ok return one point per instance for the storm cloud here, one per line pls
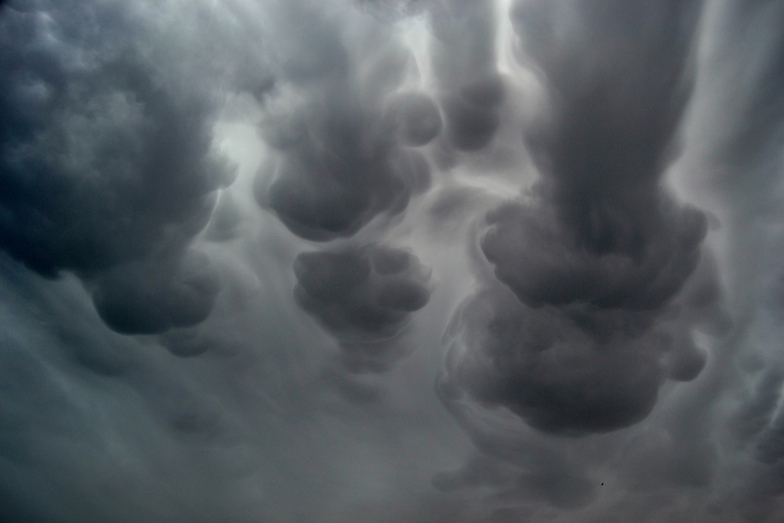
(597, 251)
(363, 296)
(476, 261)
(107, 159)
(344, 136)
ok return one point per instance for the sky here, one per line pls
(422, 261)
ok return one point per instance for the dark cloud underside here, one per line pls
(326, 261)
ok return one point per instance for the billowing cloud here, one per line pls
(106, 159)
(324, 195)
(476, 261)
(364, 297)
(415, 118)
(598, 251)
(463, 56)
(99, 158)
(344, 130)
(151, 298)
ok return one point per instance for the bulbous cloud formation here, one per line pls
(596, 254)
(344, 126)
(569, 370)
(331, 189)
(153, 296)
(272, 385)
(105, 153)
(364, 297)
(464, 61)
(346, 130)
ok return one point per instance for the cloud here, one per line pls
(562, 372)
(590, 191)
(153, 298)
(734, 129)
(598, 251)
(98, 160)
(415, 118)
(364, 297)
(343, 129)
(463, 60)
(328, 196)
(621, 265)
(472, 114)
(107, 159)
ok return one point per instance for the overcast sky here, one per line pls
(422, 261)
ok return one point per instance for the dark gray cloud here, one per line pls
(566, 371)
(100, 160)
(620, 265)
(472, 113)
(345, 131)
(464, 62)
(598, 250)
(328, 190)
(107, 167)
(148, 297)
(364, 297)
(591, 191)
(415, 118)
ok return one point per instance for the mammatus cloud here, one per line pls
(107, 164)
(364, 297)
(595, 256)
(343, 136)
(154, 298)
(386, 260)
(464, 62)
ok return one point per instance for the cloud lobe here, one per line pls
(598, 251)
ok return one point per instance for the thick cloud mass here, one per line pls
(100, 161)
(151, 298)
(336, 261)
(415, 117)
(331, 189)
(464, 62)
(562, 370)
(599, 249)
(579, 368)
(472, 115)
(106, 159)
(624, 268)
(364, 297)
(343, 156)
